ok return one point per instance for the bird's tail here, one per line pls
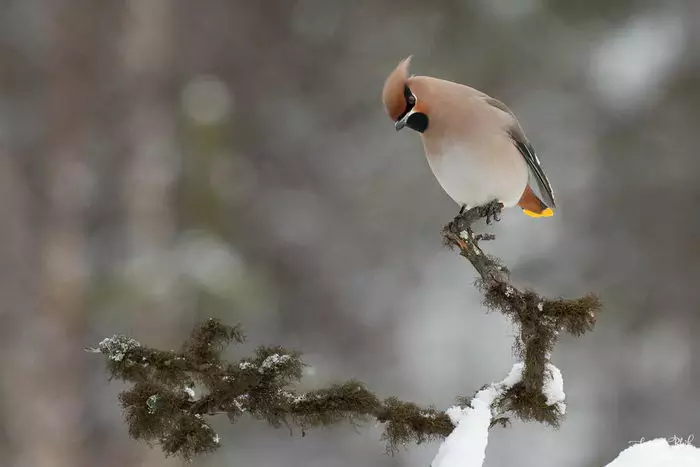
(533, 206)
(547, 212)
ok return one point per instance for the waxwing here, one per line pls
(475, 146)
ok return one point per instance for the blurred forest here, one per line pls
(166, 161)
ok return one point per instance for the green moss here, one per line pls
(406, 422)
(208, 340)
(160, 411)
(349, 401)
(575, 316)
(529, 405)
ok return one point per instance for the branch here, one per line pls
(539, 319)
(162, 406)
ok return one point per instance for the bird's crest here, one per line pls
(393, 94)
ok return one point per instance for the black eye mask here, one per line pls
(410, 102)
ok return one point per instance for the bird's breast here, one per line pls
(475, 174)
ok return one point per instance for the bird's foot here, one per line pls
(460, 228)
(491, 211)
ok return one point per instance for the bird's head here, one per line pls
(402, 104)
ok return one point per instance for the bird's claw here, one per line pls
(491, 212)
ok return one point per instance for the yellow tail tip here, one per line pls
(546, 213)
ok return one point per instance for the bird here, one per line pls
(475, 146)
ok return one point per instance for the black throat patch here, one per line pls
(418, 122)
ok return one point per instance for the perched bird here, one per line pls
(474, 144)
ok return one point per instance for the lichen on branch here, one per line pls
(175, 393)
(162, 406)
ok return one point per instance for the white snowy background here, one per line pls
(166, 161)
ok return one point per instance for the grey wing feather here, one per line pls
(517, 134)
(536, 170)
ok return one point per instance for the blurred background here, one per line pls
(162, 162)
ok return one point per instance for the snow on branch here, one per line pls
(466, 445)
(174, 393)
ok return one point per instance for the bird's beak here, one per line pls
(402, 123)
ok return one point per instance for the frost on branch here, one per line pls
(115, 347)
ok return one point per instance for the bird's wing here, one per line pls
(517, 135)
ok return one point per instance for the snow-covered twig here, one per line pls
(466, 445)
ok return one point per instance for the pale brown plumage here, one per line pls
(474, 144)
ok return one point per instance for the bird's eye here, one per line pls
(411, 99)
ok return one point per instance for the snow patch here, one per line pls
(658, 453)
(466, 445)
(554, 388)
